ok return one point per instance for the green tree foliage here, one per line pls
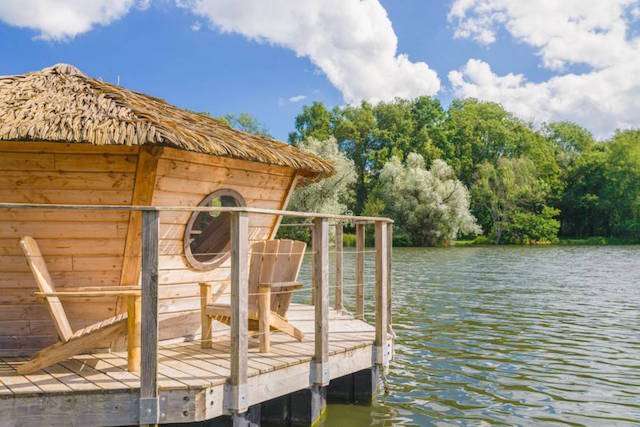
(431, 206)
(315, 121)
(603, 190)
(246, 123)
(508, 200)
(330, 195)
(521, 178)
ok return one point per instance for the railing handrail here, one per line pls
(245, 209)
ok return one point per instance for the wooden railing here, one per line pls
(237, 396)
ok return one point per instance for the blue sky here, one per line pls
(180, 54)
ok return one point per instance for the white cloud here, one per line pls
(297, 98)
(351, 41)
(196, 26)
(64, 19)
(593, 33)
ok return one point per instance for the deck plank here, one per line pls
(185, 365)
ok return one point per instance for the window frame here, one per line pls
(217, 260)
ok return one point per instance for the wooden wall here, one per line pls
(81, 248)
(185, 179)
(85, 248)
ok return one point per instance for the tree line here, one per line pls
(472, 170)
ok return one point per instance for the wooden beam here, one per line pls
(339, 266)
(321, 286)
(381, 293)
(143, 189)
(285, 202)
(360, 248)
(149, 413)
(239, 311)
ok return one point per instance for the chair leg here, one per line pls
(205, 320)
(264, 318)
(133, 333)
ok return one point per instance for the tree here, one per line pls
(330, 195)
(479, 132)
(430, 205)
(247, 123)
(509, 201)
(570, 139)
(622, 188)
(315, 121)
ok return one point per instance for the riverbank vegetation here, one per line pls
(472, 171)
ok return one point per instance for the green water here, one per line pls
(510, 336)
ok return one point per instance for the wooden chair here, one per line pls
(273, 271)
(73, 343)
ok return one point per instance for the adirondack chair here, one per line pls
(273, 271)
(72, 343)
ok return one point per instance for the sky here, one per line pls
(544, 60)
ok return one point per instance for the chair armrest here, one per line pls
(274, 285)
(89, 293)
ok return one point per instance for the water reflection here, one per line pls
(510, 336)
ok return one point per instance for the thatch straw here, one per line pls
(61, 104)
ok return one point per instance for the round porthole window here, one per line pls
(207, 238)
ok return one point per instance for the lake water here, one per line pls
(510, 336)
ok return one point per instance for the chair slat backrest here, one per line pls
(274, 261)
(43, 279)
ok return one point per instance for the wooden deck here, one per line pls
(97, 389)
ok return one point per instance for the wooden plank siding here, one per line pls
(185, 179)
(80, 248)
(87, 248)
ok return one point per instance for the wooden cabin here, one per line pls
(66, 138)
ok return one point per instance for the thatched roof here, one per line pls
(61, 104)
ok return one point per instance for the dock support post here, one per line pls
(149, 405)
(320, 364)
(239, 314)
(380, 344)
(360, 247)
(339, 265)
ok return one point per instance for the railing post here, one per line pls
(239, 315)
(339, 265)
(389, 276)
(320, 364)
(381, 293)
(360, 247)
(149, 405)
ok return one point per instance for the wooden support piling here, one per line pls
(239, 311)
(321, 286)
(360, 247)
(380, 343)
(149, 411)
(339, 265)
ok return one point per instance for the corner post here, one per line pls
(239, 312)
(360, 247)
(149, 406)
(339, 267)
(381, 294)
(321, 286)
